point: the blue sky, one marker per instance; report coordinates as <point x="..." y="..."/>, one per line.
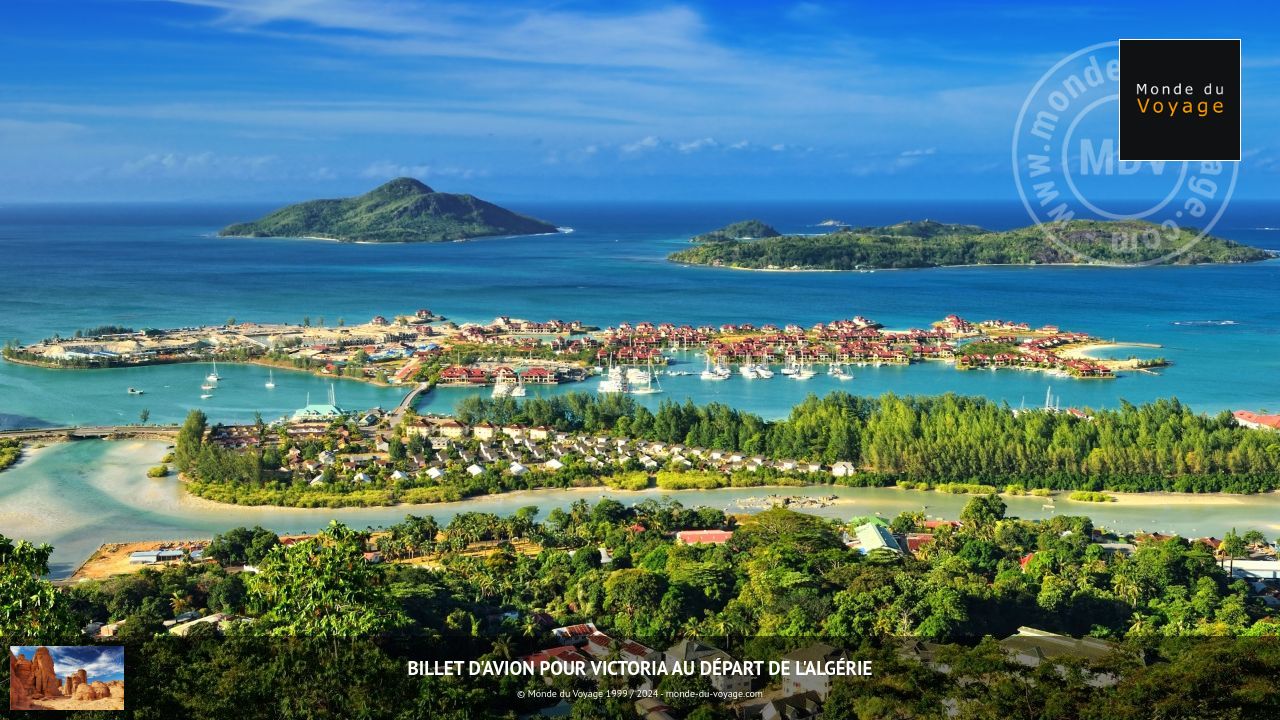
<point x="287" y="99"/>
<point x="101" y="663"/>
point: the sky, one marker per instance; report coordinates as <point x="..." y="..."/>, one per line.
<point x="217" y="100"/>
<point x="102" y="663"/>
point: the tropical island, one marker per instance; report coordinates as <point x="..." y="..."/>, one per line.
<point x="400" y="211"/>
<point x="928" y="243"/>
<point x="744" y="230"/>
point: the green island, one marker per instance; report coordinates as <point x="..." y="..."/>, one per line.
<point x="927" y="243"/>
<point x="744" y="230"/>
<point x="982" y="617"/>
<point x="949" y="443"/>
<point x="402" y="210"/>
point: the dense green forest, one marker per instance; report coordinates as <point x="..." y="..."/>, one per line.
<point x="402" y="210"/>
<point x="1158" y="446"/>
<point x="1189" y="639"/>
<point x="743" y="230"/>
<point x="932" y="244"/>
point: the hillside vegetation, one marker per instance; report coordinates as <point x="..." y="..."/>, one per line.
<point x="403" y="210"/>
<point x="933" y="244"/>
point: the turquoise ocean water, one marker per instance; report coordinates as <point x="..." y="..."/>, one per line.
<point x="159" y="265"/>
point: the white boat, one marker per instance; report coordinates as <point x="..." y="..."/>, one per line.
<point x="501" y="388"/>
<point x="135" y="391"/>
<point x="615" y="382"/>
<point x="837" y="372"/>
<point x="648" y="386"/>
<point x="636" y="376"/>
<point x="763" y="372"/>
<point x="518" y="390"/>
<point x="719" y="372"/>
<point x="802" y="373"/>
<point x="206" y="396"/>
<point x="271" y="380"/>
<point x="208" y="386"/>
<point x="789" y="369"/>
<point x="213" y="375"/>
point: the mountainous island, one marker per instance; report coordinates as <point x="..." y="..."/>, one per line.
<point x="402" y="210"/>
<point x="922" y="244"/>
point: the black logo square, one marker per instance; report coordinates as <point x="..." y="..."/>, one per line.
<point x="1179" y="100"/>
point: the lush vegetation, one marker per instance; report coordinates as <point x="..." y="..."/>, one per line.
<point x="932" y="244"/>
<point x="403" y="210"/>
<point x="1157" y="446"/>
<point x="744" y="230"/>
<point x="10" y="451"/>
<point x="327" y="632"/>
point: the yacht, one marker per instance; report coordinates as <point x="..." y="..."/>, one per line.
<point x="837" y="372"/>
<point x="518" y="390"/>
<point x="501" y="388"/>
<point x="802" y="373"/>
<point x="208" y="386"/>
<point x="636" y="376"/>
<point x="271" y="380"/>
<point x="135" y="391"/>
<point x="213" y="375"/>
<point x="719" y="372"/>
<point x="615" y="382"/>
<point x="206" y="396"/>
<point x="648" y="386"/>
<point x="763" y="372"/>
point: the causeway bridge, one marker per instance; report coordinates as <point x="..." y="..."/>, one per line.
<point x="95" y="432"/>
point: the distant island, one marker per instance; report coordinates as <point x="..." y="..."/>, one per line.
<point x="403" y="210"/>
<point x="745" y="230"/>
<point x="923" y="244"/>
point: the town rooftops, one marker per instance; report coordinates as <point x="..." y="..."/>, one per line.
<point x="704" y="537"/>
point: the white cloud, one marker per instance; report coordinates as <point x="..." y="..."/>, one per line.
<point x="918" y="152"/>
<point x="644" y="144"/>
<point x="740" y="145"/>
<point x="696" y="145"/>
<point x="205" y="164"/>
<point x="385" y="170"/>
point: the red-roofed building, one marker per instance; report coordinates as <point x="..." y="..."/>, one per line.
<point x="1257" y="421"/>
<point x="570" y="634"/>
<point x="703" y="537"/>
<point x="1022" y="561"/>
<point x="565" y="654"/>
<point x="915" y="541"/>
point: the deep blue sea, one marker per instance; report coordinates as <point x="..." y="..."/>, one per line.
<point x="70" y="267"/>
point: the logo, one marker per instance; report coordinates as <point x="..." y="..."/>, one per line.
<point x="1067" y="167"/>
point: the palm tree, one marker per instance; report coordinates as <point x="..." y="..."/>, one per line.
<point x="502" y="647"/>
<point x="179" y="603"/>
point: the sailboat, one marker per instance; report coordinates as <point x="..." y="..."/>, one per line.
<point x="271" y="380"/>
<point x="518" y="390"/>
<point x="719" y="372"/>
<point x="837" y="372"/>
<point x="802" y="372"/>
<point x="649" y="385"/>
<point x="213" y="375"/>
